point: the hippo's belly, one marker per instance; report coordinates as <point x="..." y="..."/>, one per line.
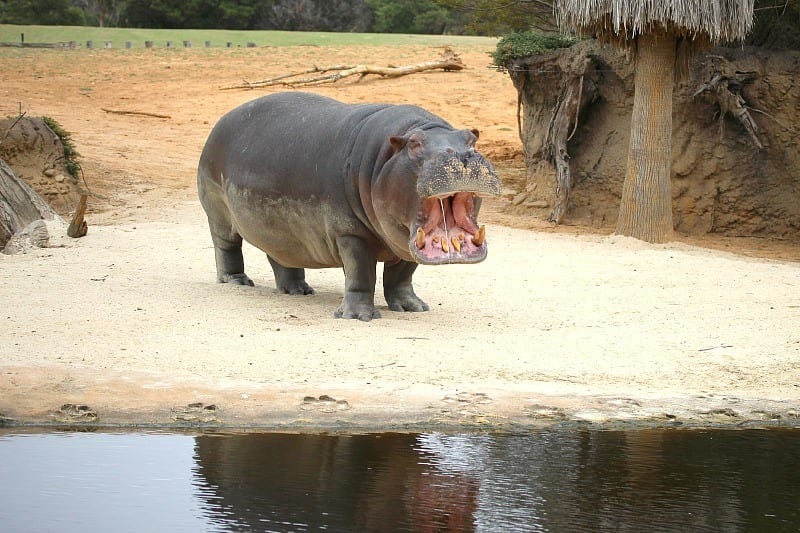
<point x="295" y="232"/>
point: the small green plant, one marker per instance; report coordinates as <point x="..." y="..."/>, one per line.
<point x="525" y="44"/>
<point x="70" y="153"/>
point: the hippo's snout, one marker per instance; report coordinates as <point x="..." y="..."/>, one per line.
<point x="450" y="187"/>
<point x="448" y="174"/>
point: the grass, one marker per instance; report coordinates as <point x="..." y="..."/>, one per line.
<point x="220" y="38"/>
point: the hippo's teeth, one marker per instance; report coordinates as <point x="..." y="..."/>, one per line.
<point x="445" y="246"/>
<point x="456" y="244"/>
<point x="479" y="237"/>
<point x="420" y="240"/>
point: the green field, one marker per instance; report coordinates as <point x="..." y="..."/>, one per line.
<point x="220" y="38"/>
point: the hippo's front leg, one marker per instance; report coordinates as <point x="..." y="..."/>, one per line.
<point x="359" y="280"/>
<point x="397" y="287"/>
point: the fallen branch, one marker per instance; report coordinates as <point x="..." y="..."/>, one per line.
<point x="140" y="113"/>
<point x="449" y="61"/>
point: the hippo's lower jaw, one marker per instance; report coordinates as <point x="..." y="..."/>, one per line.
<point x="448" y="232"/>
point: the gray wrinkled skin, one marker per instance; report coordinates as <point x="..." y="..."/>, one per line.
<point x="316" y="183"/>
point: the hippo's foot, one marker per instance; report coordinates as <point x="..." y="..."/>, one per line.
<point x="364" y="312"/>
<point x="405" y="300"/>
<point x="237" y="279"/>
<point x="295" y="288"/>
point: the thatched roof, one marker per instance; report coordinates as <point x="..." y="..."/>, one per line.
<point x="713" y="20"/>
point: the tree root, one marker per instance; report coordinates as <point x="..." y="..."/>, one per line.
<point x="726" y="91"/>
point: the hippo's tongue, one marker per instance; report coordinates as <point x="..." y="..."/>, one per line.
<point x="450" y="212"/>
<point x="449" y="233"/>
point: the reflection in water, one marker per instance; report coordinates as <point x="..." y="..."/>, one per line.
<point x="551" y="480"/>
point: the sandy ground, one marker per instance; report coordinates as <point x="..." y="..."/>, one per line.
<point x="127" y="326"/>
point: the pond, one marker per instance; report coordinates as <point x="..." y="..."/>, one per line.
<point x="541" y="480"/>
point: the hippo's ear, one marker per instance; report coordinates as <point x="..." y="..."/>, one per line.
<point x="476" y="133"/>
<point x="397" y="143"/>
<point x="413" y="143"/>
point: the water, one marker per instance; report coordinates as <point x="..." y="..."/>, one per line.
<point x="549" y="480"/>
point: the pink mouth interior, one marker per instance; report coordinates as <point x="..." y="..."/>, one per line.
<point x="449" y="228"/>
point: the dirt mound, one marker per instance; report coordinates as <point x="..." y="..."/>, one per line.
<point x="36" y="155"/>
<point x="726" y="178"/>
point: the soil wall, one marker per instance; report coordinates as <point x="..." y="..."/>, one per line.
<point x="726" y="179"/>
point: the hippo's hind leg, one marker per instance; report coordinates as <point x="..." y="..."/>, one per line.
<point x="230" y="263"/>
<point x="227" y="244"/>
<point x="290" y="280"/>
<point x="397" y="287"/>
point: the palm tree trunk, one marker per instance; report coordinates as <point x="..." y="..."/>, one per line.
<point x="645" y="211"/>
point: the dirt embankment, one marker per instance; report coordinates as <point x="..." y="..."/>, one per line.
<point x="126" y="325"/>
<point x="735" y="162"/>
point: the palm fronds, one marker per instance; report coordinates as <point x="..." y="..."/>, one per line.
<point x="712" y="20"/>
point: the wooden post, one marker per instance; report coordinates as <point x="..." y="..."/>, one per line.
<point x="78" y="227"/>
<point x="148" y="44"/>
<point x="251" y="45"/>
<point x="187" y="44"/>
<point x="89" y="45"/>
<point x="128" y="45"/>
<point x="107" y="44"/>
<point x="169" y="44"/>
<point x="208" y="44"/>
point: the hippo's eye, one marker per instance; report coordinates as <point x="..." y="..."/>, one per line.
<point x="449" y="150"/>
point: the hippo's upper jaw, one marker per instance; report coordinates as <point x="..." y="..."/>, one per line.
<point x="447" y="230"/>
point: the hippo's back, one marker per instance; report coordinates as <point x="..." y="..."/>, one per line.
<point x="283" y="135"/>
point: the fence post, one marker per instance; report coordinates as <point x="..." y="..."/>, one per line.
<point x="107" y="44"/>
<point x="148" y="44"/>
<point x="89" y="44"/>
<point x="208" y="44"/>
<point x="187" y="44"/>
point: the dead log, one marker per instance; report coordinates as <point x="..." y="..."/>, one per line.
<point x="22" y="211"/>
<point x="447" y="62"/>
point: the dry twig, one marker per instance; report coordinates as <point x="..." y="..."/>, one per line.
<point x="140" y="113"/>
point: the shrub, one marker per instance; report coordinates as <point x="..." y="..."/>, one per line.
<point x="525" y="44"/>
<point x="70" y="153"/>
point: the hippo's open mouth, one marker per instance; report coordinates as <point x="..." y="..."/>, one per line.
<point x="448" y="232"/>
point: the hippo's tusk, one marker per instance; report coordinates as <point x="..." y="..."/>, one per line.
<point x="479" y="237"/>
<point x="456" y="244"/>
<point x="445" y="246"/>
<point x="420" y="240"/>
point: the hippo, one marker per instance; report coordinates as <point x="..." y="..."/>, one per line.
<point x="317" y="183"/>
